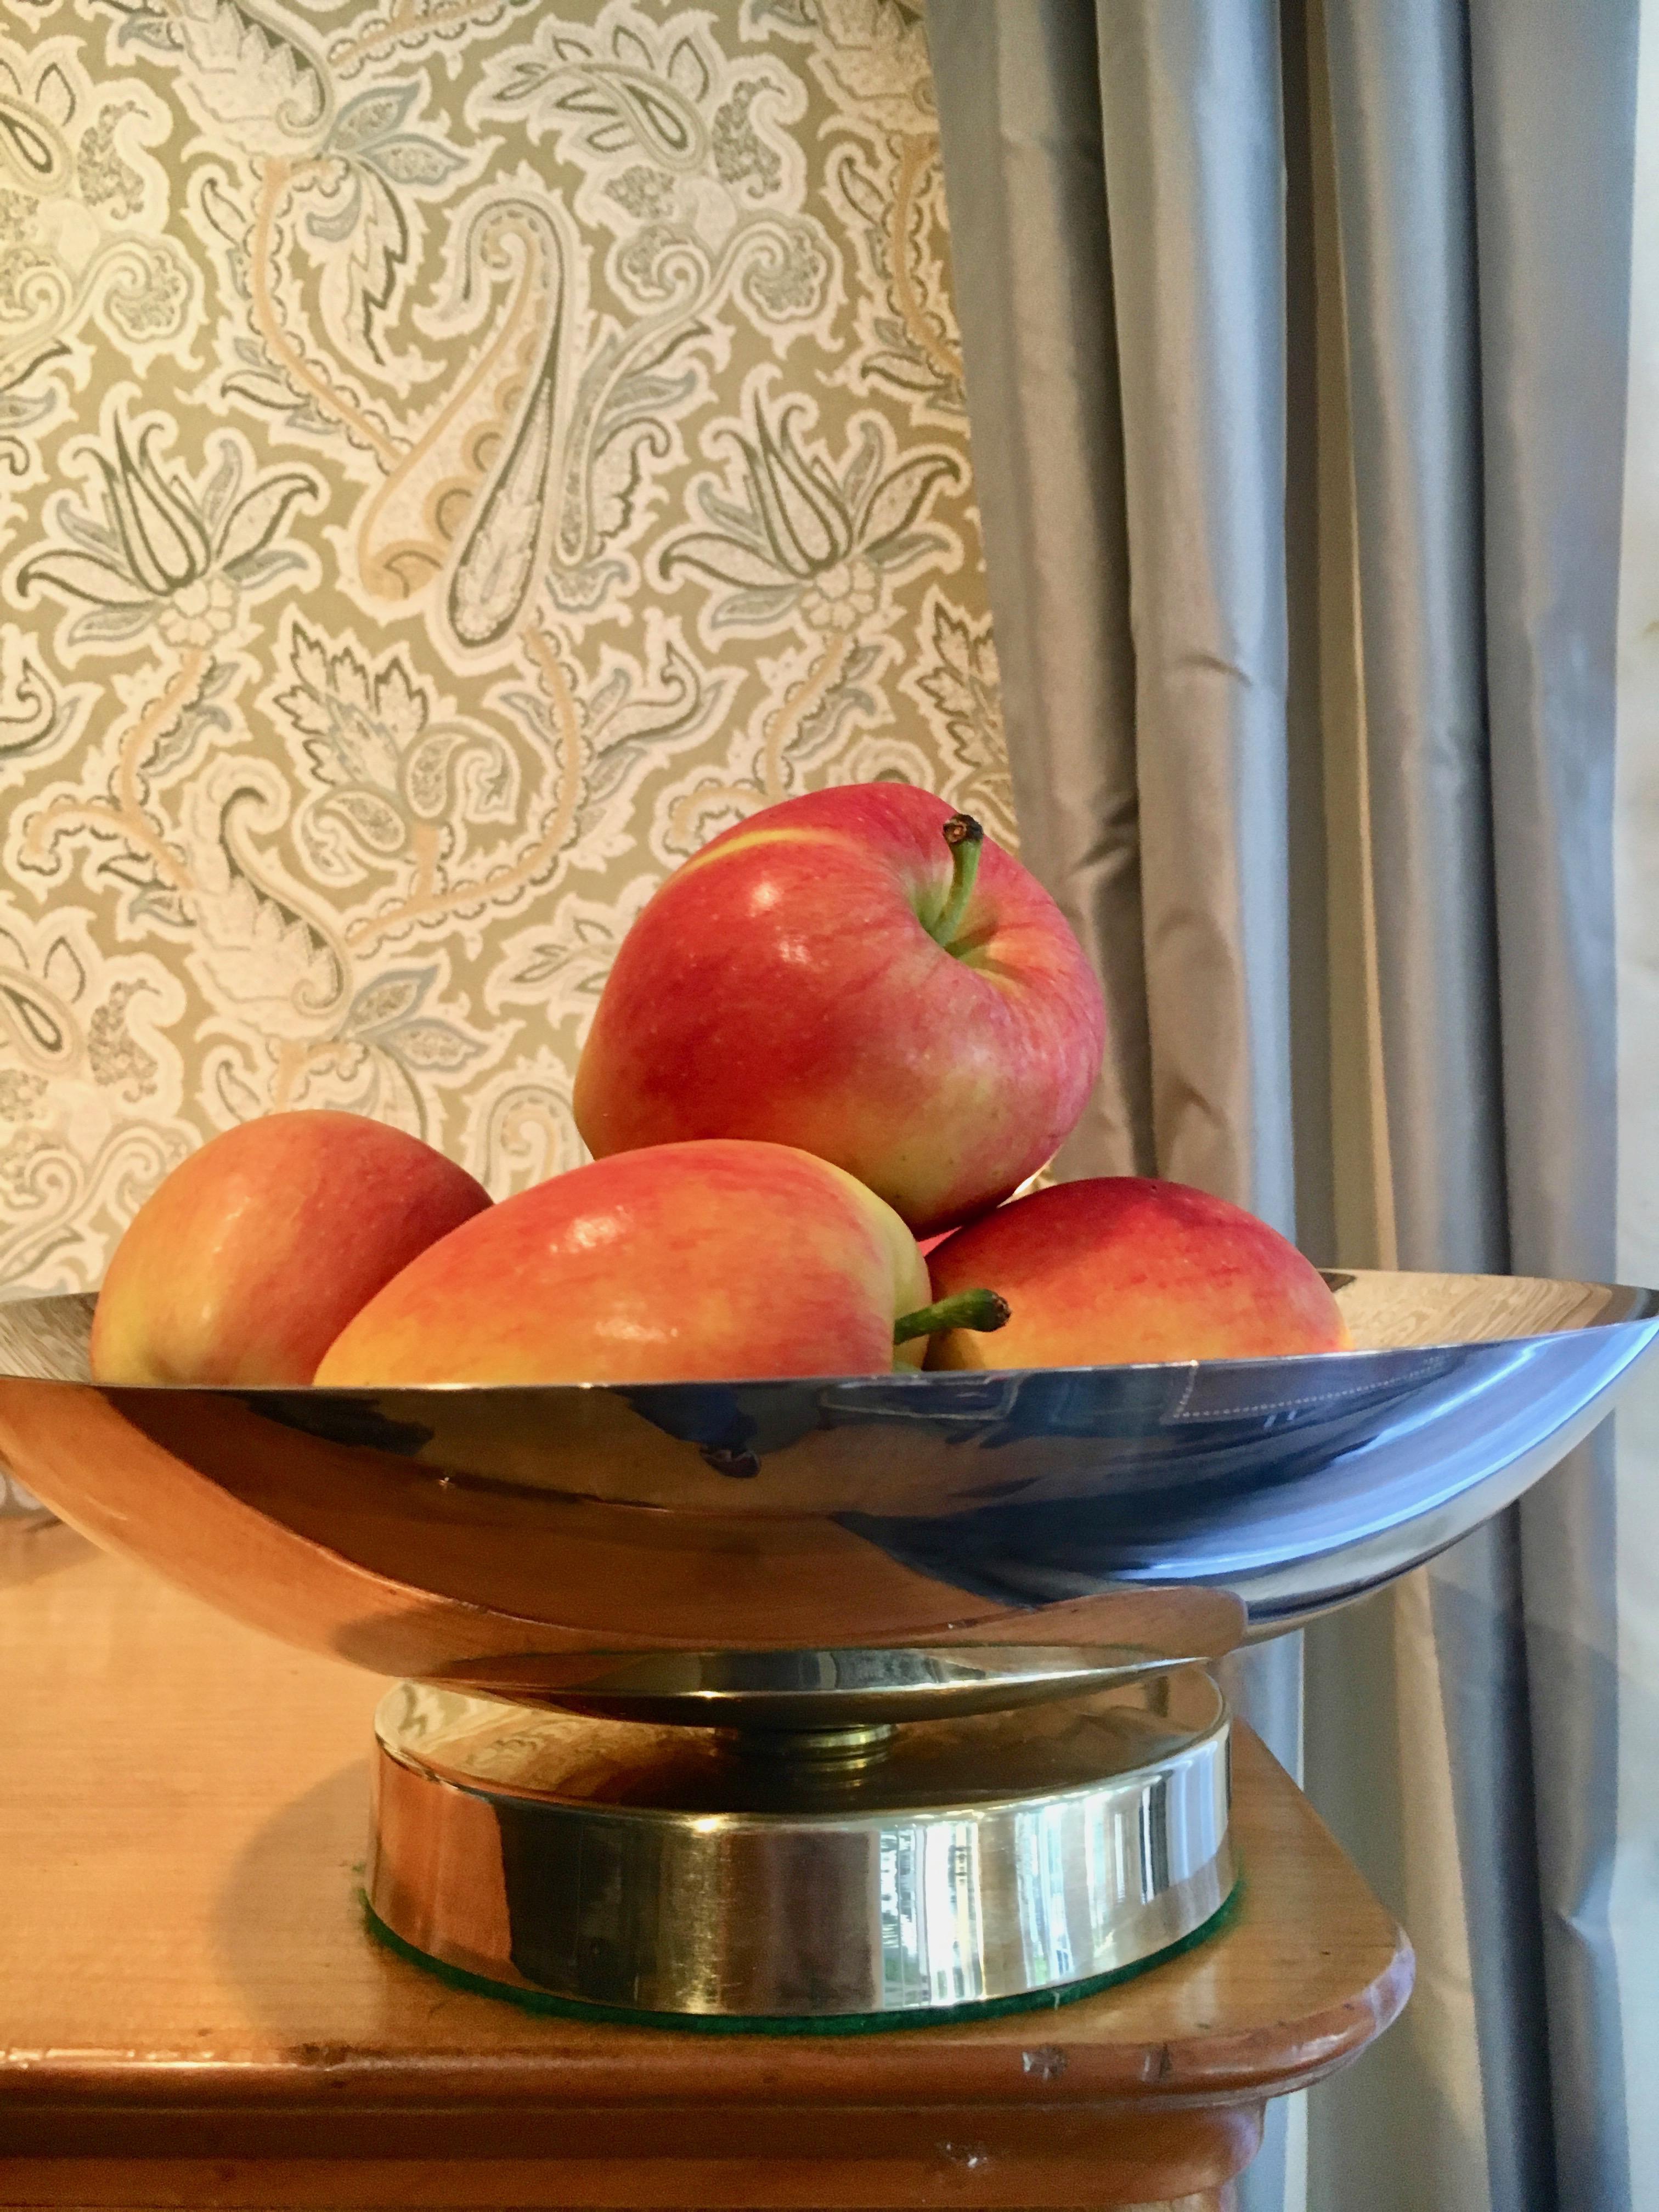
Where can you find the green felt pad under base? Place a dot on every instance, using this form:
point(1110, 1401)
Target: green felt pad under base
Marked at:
point(863, 2023)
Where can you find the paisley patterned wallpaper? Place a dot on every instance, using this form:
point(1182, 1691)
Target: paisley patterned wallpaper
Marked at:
point(455, 455)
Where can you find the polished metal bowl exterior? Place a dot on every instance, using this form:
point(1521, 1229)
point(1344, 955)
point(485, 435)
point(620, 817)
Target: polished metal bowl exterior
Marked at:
point(515, 1541)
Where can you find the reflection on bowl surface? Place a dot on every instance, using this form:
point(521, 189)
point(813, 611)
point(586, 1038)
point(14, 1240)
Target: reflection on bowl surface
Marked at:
point(502, 1539)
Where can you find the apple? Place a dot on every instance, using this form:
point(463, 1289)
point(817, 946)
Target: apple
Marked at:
point(250, 1257)
point(864, 974)
point(713, 1259)
point(1122, 1268)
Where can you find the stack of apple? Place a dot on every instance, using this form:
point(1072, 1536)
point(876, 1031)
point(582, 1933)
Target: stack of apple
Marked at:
point(850, 1022)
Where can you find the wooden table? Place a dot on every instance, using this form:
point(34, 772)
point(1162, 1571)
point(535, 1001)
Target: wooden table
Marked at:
point(192, 2013)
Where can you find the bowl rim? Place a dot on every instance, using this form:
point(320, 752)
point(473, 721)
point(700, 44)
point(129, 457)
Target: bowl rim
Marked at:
point(1637, 1309)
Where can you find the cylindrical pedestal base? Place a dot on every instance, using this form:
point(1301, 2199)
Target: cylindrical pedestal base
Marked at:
point(660, 1872)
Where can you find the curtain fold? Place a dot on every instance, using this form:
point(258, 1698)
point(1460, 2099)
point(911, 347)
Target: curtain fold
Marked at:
point(1633, 1906)
point(1040, 326)
point(1554, 100)
point(1405, 193)
point(1467, 340)
point(1193, 161)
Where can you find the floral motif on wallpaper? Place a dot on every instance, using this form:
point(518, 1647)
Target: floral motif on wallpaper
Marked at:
point(455, 456)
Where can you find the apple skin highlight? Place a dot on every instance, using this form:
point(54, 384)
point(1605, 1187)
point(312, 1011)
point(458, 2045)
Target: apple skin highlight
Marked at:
point(710, 1260)
point(1119, 1269)
point(784, 986)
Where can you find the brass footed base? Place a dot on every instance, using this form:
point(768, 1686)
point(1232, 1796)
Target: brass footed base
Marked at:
point(853, 1876)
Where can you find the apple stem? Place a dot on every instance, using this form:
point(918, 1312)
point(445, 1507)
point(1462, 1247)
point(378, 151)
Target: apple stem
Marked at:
point(980, 1310)
point(964, 836)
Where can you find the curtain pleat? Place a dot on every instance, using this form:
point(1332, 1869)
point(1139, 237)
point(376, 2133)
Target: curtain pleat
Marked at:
point(1040, 338)
point(1554, 100)
point(1402, 144)
point(1633, 1906)
point(1193, 160)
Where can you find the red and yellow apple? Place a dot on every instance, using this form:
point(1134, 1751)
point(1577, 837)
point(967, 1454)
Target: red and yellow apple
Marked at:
point(708, 1260)
point(857, 974)
point(1123, 1268)
point(250, 1257)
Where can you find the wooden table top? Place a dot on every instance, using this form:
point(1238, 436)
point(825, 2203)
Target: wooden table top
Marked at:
point(182, 1835)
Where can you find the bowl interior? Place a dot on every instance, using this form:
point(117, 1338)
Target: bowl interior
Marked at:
point(46, 1338)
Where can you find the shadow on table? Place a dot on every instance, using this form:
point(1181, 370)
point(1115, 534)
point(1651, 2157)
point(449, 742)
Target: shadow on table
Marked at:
point(303, 1978)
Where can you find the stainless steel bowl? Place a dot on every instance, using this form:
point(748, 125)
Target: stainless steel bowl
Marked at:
point(541, 1543)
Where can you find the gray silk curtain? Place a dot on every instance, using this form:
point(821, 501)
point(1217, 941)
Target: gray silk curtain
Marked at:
point(1296, 344)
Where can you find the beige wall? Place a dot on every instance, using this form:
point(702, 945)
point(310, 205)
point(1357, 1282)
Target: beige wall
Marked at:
point(454, 456)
